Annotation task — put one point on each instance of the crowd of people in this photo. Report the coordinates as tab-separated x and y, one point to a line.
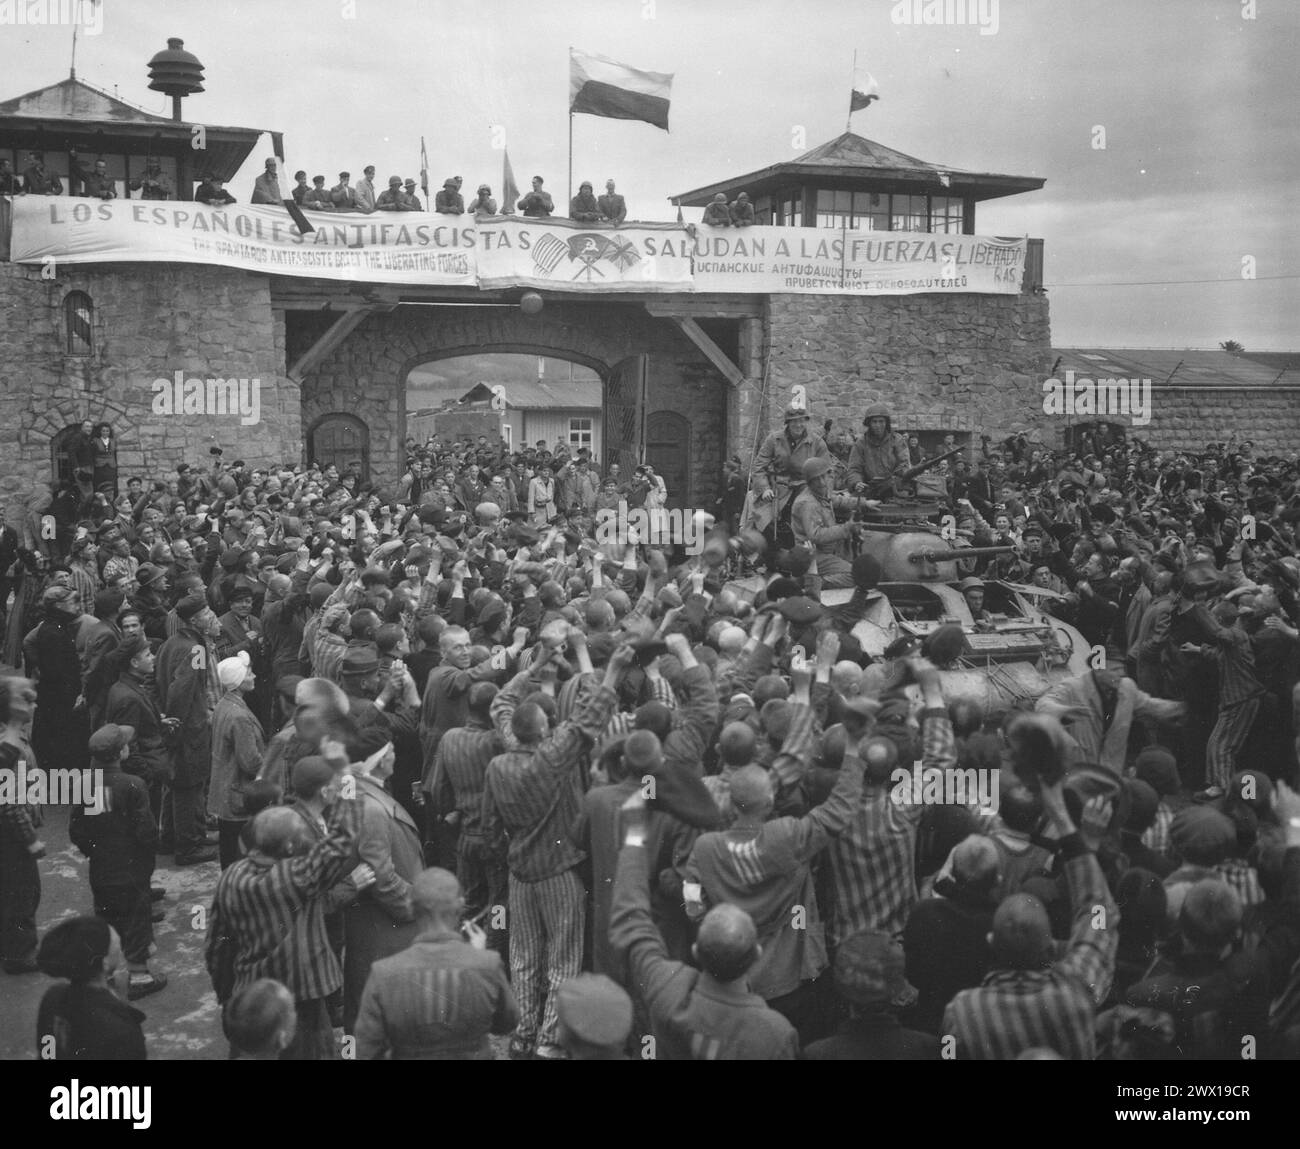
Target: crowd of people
473	770
364	196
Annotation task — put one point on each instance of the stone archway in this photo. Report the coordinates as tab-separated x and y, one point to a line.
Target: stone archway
366	373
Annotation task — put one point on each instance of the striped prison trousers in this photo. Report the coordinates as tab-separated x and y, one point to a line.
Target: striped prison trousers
546	922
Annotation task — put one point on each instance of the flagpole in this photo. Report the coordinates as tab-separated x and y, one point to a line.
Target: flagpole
848	120
570	199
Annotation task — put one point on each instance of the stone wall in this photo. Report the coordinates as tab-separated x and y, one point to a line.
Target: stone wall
366	374
1186	419
953	362
150	321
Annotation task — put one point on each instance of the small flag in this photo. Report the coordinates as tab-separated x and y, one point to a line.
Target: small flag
424	170
282	178
509	189
865	89
602	87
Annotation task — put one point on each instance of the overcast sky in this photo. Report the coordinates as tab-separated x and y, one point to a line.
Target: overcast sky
1198	107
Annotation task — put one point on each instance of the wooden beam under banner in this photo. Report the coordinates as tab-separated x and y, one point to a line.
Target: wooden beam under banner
712	352
334	335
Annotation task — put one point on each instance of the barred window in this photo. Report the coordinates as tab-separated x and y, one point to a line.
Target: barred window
79	322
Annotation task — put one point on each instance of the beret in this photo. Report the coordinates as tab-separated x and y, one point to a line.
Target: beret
1157	767
188	607
1203	836
595	1010
109	739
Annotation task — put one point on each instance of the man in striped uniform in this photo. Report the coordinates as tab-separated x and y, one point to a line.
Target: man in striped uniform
440	998
267	916
460	773
533	796
873	860
1239	691
1028	1001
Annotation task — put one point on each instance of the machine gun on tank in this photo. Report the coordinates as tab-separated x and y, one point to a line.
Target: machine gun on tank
888	484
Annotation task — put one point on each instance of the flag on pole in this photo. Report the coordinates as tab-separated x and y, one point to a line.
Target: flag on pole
865	89
509	189
424	171
602	87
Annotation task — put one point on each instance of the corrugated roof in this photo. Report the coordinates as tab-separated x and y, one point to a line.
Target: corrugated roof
1174	367
559	393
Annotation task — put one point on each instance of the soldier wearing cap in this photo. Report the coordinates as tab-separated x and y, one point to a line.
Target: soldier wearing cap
880	455
778	467
115	829
813	521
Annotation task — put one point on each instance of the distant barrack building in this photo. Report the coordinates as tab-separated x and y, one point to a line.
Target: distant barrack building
863	279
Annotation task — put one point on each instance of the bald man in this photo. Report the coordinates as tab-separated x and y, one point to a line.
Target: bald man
1030	1000
268	919
441	998
704	1014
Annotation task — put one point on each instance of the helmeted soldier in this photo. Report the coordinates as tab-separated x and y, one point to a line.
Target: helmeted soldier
778	468
880	455
813	521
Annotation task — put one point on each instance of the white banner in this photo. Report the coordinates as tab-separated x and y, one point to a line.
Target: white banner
822	261
508	251
568	256
386	247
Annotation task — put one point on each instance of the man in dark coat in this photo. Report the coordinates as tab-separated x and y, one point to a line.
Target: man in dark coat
188	689
133	701
60	728
117	833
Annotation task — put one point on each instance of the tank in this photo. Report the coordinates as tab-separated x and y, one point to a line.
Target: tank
1016	655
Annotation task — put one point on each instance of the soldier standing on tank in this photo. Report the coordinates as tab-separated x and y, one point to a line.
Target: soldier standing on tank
778	468
879	456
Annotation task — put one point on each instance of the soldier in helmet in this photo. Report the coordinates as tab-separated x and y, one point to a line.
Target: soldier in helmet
813	520
778	468
972	590
879	455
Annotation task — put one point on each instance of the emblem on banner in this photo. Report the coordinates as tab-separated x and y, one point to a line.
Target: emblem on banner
588	250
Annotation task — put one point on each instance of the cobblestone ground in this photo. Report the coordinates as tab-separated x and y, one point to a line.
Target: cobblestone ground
182	1022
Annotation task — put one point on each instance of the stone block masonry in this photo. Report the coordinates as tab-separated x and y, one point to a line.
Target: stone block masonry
953	362
148	322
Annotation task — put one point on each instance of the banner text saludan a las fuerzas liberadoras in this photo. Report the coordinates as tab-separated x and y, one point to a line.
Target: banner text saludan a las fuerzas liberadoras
510	251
